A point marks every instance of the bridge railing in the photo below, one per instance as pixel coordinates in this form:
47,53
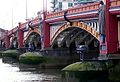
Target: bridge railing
79,9
33,22
13,31
114,3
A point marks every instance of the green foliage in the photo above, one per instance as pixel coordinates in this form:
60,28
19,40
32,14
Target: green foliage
85,66
31,58
11,53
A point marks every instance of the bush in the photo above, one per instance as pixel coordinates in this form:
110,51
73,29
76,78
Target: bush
31,58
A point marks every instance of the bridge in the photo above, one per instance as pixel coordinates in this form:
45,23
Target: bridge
69,28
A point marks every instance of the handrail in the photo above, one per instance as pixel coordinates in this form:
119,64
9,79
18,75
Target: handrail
79,9
33,21
114,3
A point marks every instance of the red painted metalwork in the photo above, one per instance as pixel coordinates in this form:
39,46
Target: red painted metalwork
46,33
20,36
111,24
113,5
79,9
7,43
111,32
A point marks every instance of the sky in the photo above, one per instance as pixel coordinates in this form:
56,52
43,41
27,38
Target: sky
16,10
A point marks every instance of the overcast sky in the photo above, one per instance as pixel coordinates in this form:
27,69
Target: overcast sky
18,8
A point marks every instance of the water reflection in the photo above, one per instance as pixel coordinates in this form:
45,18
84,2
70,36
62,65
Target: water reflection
10,71
13,73
92,76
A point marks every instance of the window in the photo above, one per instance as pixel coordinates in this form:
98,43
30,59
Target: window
70,4
60,5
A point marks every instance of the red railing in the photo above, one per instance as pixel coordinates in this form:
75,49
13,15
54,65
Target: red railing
23,25
12,31
114,3
85,8
33,21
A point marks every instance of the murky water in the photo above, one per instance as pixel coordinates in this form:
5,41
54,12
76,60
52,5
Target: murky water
15,73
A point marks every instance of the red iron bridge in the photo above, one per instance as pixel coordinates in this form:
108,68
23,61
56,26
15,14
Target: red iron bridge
69,28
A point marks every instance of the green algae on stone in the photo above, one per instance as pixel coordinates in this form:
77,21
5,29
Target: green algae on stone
32,58
86,70
86,66
11,53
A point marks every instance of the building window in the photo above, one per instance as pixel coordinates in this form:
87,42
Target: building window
70,4
60,5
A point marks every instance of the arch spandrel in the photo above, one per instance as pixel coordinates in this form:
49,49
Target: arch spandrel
81,25
31,31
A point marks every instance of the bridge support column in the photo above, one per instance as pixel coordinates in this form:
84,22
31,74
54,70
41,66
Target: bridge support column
46,33
7,44
20,36
111,45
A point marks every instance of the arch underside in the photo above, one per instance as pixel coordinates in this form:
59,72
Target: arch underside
14,42
35,38
36,30
74,36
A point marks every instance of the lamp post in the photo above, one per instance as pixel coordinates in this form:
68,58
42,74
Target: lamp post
26,10
44,5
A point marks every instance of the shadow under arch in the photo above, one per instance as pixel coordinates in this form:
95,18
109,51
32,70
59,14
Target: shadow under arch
72,36
33,38
14,43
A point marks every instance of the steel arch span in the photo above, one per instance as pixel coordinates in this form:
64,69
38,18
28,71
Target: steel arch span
80,25
33,36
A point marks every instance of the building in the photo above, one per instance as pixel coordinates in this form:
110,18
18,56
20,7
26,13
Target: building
65,4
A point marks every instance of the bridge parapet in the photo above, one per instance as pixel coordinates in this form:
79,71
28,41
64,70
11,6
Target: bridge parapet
23,25
34,22
114,3
14,30
80,9
115,7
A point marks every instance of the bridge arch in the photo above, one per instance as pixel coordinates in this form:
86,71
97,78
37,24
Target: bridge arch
80,25
14,42
78,34
34,37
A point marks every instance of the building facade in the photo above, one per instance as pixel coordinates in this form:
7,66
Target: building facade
65,4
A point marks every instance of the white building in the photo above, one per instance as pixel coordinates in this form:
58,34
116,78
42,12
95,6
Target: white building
65,4
62,4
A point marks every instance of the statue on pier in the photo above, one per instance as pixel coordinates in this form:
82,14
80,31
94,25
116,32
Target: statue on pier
102,22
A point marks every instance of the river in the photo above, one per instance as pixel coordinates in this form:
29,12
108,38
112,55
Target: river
15,73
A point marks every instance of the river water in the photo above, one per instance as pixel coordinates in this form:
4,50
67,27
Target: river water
15,73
